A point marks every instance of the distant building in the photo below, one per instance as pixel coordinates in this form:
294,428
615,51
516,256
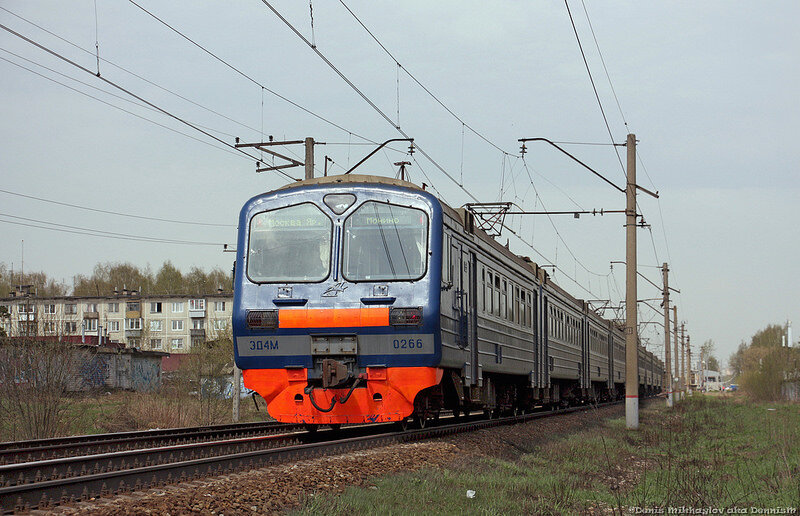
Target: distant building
711,381
171,323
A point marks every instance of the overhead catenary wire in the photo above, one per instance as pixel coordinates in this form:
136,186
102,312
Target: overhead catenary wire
115,85
594,87
250,78
412,77
105,92
603,61
400,130
115,106
134,74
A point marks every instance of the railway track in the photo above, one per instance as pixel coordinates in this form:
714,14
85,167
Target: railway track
46,449
44,484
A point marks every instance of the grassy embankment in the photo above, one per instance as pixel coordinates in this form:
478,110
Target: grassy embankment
708,452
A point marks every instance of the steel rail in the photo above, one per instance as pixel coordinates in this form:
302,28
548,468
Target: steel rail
43,449
85,485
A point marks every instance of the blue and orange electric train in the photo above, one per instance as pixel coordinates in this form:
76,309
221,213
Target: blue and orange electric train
367,299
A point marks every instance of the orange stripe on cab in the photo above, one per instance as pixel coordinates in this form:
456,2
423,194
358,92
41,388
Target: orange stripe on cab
333,317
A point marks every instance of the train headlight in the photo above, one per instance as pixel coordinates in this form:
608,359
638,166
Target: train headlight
405,316
262,319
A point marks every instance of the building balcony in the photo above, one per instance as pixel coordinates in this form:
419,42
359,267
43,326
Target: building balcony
133,334
197,333
91,315
133,314
194,313
27,317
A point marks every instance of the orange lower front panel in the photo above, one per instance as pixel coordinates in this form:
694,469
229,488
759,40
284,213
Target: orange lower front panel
283,390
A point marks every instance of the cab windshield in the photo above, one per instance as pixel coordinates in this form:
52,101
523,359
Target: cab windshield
385,242
289,245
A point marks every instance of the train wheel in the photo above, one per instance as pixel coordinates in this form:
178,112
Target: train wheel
420,421
402,425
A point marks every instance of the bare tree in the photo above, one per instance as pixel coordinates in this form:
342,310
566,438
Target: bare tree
37,375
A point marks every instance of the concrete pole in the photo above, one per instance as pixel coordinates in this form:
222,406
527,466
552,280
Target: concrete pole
631,322
674,367
689,365
237,392
683,364
309,158
667,354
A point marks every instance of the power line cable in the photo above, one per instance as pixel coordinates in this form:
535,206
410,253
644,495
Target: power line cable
98,232
120,214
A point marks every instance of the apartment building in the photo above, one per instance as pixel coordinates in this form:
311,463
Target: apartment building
157,323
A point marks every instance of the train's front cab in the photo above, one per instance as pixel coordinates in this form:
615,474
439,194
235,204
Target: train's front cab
336,299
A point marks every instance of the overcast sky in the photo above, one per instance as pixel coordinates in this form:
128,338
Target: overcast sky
709,88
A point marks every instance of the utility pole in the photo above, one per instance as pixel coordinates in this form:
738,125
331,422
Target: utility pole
683,370
689,364
631,322
674,369
237,392
667,354
309,158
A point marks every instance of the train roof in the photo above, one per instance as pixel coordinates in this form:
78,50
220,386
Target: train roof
352,178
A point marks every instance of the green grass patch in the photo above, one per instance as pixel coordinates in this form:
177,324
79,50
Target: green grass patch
707,452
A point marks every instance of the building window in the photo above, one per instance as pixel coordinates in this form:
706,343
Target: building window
71,326
177,308
50,328
134,343
132,306
155,308
156,325
155,344
90,307
27,309
113,326
220,324
113,308
177,325
71,309
50,309
133,324
197,304
177,343
198,324
90,324
219,306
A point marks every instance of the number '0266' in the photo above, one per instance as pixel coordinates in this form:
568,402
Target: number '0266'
407,343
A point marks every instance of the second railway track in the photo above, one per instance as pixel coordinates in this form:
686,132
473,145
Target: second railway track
58,447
